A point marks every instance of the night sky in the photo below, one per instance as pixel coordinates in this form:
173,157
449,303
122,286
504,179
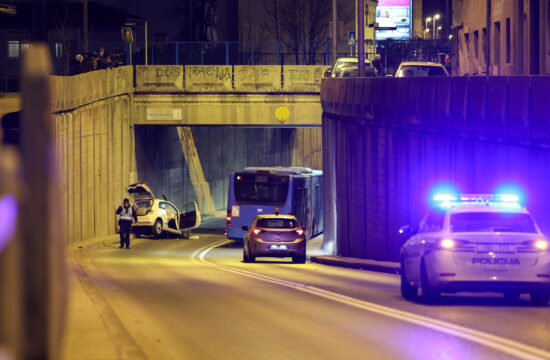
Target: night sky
431,7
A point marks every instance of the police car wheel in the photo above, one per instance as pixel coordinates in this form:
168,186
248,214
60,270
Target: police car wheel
429,294
540,298
408,291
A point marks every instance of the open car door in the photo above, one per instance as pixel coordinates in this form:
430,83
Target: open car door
190,218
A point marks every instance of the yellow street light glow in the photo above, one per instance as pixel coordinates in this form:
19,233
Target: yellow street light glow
437,16
439,27
428,19
427,30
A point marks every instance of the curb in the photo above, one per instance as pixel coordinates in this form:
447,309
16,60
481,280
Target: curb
354,263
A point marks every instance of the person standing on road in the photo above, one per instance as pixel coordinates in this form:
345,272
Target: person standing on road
127,217
378,65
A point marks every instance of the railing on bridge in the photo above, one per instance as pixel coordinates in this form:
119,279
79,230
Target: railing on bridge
185,53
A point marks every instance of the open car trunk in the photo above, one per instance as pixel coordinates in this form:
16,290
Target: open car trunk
143,197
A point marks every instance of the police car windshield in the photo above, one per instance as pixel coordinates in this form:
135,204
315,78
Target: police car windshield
277,223
492,222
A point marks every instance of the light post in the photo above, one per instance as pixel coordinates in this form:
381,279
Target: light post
426,33
438,30
428,19
436,17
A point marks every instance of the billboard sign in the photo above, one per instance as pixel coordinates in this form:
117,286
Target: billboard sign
394,19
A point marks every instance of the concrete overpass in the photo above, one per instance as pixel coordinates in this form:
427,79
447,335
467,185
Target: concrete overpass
181,128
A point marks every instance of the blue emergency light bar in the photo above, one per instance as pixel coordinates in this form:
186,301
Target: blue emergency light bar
450,200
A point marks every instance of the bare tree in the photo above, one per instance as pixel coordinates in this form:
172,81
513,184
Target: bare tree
65,22
197,18
247,32
303,23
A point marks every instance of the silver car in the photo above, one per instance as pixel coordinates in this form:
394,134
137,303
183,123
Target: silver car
481,243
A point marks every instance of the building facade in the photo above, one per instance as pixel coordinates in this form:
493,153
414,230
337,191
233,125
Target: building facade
501,37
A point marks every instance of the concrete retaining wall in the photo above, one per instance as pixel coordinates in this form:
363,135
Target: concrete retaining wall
97,161
388,143
95,146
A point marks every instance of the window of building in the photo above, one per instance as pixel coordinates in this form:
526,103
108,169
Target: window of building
467,43
496,43
476,44
508,48
13,49
58,49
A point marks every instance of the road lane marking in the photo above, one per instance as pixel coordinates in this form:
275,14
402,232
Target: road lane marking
508,346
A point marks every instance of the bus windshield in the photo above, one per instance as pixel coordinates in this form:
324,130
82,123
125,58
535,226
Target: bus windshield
261,189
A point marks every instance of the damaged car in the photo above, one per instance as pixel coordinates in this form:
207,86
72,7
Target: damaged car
160,217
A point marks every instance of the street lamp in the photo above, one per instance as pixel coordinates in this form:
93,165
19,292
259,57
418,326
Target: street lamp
428,19
436,17
426,32
438,30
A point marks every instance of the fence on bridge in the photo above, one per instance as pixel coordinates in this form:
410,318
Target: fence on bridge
388,142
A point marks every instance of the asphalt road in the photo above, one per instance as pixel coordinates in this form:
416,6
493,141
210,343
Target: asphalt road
191,299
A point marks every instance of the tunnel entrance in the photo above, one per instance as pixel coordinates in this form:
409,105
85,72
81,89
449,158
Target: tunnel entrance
162,163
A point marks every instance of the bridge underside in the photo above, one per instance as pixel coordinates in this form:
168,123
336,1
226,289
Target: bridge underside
265,110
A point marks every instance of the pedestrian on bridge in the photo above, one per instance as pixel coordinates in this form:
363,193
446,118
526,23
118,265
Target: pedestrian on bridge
125,221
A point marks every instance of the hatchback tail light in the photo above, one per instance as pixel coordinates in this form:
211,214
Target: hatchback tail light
257,231
228,218
300,232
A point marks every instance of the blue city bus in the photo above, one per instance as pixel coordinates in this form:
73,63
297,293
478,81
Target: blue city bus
260,190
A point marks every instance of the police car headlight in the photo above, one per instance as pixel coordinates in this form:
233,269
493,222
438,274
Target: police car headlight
447,243
541,244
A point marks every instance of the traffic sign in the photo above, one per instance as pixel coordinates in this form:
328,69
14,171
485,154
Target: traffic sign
351,38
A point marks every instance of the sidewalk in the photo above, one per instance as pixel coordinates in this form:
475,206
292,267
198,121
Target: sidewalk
354,263
318,255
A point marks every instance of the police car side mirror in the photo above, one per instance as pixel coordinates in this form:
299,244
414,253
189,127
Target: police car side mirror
244,228
407,231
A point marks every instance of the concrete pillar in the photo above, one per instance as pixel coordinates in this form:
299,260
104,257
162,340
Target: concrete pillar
202,188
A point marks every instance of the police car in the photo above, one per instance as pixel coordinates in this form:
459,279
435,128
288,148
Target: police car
482,243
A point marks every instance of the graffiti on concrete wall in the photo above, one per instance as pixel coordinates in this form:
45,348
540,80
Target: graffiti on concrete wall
216,73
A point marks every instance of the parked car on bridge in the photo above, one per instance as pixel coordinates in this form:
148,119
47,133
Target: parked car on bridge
157,217
480,243
274,236
420,69
348,67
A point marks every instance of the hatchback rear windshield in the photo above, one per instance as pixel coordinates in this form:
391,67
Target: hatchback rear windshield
144,204
492,222
418,70
277,223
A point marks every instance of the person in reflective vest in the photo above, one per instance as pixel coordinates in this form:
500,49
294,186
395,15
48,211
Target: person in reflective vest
126,218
